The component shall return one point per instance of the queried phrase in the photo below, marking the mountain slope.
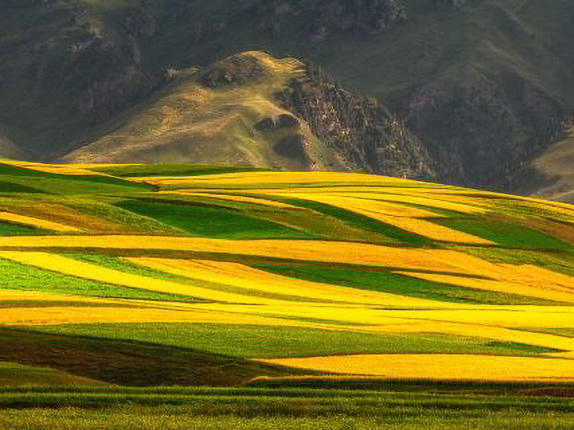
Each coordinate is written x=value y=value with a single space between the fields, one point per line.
x=482 y=85
x=550 y=175
x=200 y=275
x=253 y=110
x=225 y=114
x=9 y=148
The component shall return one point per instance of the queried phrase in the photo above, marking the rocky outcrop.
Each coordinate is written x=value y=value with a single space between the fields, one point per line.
x=360 y=130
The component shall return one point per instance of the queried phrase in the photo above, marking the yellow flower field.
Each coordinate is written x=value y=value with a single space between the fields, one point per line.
x=36 y=222
x=440 y=367
x=247 y=178
x=306 y=250
x=225 y=255
x=244 y=277
x=80 y=269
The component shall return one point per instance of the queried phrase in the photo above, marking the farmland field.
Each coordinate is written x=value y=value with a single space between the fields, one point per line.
x=309 y=288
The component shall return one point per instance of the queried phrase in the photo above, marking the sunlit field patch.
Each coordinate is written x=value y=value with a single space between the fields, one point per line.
x=246 y=278
x=35 y=222
x=441 y=367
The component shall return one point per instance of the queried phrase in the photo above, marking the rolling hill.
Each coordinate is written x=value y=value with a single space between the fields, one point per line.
x=146 y=275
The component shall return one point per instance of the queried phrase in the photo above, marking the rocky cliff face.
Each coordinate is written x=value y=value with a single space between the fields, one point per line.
x=361 y=130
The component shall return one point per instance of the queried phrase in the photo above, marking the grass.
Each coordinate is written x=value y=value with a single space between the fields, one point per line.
x=28 y=278
x=505 y=234
x=211 y=221
x=261 y=409
x=387 y=282
x=184 y=418
x=36 y=181
x=8 y=229
x=251 y=341
x=127 y=362
x=361 y=221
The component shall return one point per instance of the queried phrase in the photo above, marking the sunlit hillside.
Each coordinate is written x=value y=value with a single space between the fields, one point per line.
x=145 y=275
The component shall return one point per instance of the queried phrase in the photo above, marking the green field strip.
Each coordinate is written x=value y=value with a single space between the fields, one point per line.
x=207 y=221
x=126 y=362
x=16 y=276
x=12 y=374
x=393 y=283
x=250 y=341
x=15 y=188
x=12 y=170
x=504 y=233
x=313 y=223
x=294 y=219
x=13 y=229
x=66 y=184
x=360 y=221
x=130 y=221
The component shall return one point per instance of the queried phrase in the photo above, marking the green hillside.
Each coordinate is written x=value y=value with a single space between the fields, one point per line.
x=226 y=114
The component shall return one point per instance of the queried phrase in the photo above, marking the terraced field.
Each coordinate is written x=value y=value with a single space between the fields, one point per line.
x=191 y=275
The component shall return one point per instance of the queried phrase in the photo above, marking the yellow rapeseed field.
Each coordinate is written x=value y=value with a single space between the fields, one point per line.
x=271 y=178
x=509 y=286
x=217 y=272
x=440 y=367
x=36 y=222
x=94 y=272
x=241 y=276
x=306 y=250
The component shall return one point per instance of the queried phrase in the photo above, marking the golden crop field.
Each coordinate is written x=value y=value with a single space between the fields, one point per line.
x=331 y=274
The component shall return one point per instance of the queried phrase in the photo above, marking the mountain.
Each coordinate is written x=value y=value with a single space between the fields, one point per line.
x=252 y=109
x=550 y=175
x=465 y=92
x=9 y=148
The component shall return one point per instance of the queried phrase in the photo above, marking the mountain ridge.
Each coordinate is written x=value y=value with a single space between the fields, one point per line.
x=478 y=87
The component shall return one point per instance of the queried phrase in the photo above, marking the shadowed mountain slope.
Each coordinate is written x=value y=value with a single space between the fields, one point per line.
x=481 y=85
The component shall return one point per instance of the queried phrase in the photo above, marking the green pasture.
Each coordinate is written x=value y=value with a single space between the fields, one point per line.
x=17 y=276
x=283 y=409
x=252 y=341
x=205 y=220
